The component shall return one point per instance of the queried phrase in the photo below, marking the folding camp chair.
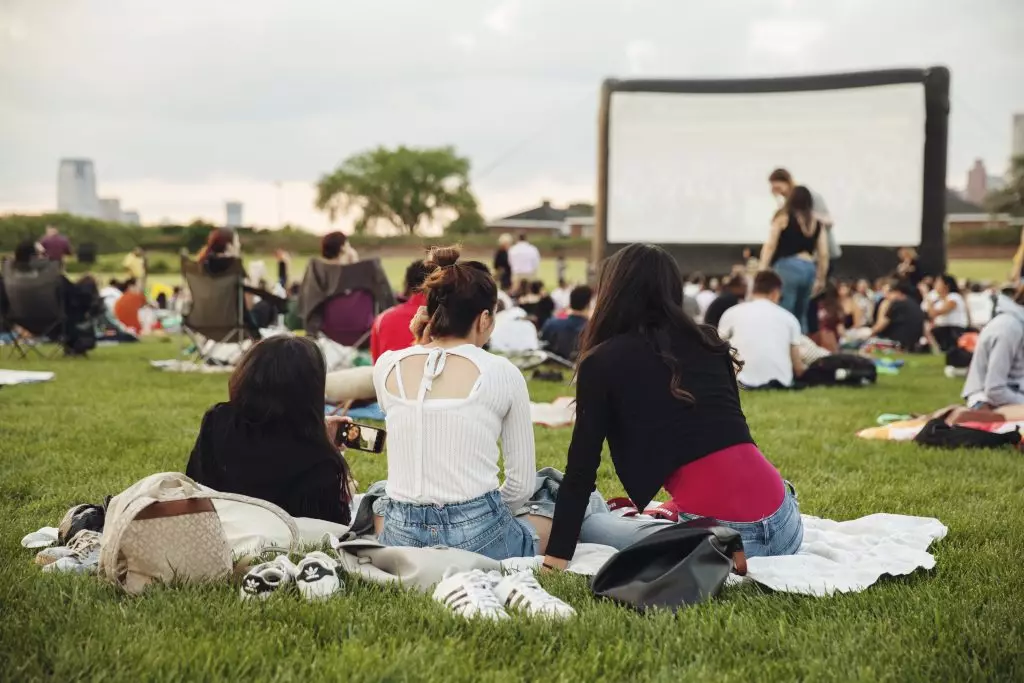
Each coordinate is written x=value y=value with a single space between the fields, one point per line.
x=33 y=311
x=216 y=313
x=341 y=302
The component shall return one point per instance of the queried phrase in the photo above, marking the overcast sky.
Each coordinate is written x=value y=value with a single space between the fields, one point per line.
x=183 y=104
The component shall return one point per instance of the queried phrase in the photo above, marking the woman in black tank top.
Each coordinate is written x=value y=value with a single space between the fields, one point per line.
x=797 y=249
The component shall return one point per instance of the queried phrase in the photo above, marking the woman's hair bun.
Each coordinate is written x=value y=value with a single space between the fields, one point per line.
x=444 y=256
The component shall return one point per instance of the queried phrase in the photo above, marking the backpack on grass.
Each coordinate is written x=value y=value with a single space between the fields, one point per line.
x=841 y=369
x=941 y=435
x=165 y=528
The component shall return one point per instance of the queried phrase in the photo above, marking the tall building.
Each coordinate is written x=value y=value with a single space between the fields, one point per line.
x=233 y=219
x=130 y=217
x=1018 y=134
x=76 y=188
x=110 y=210
x=977 y=183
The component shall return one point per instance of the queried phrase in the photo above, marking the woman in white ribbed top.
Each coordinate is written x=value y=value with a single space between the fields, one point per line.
x=448 y=402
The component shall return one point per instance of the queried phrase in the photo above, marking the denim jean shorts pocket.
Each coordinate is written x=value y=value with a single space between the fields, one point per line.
x=483 y=534
x=399 y=536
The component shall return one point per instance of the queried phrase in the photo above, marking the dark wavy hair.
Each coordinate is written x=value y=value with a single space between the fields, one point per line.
x=640 y=290
x=279 y=385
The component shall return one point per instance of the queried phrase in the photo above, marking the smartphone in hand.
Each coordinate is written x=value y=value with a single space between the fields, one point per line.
x=360 y=437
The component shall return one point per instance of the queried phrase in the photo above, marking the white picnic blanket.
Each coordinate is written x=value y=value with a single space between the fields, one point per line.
x=835 y=557
x=9 y=377
x=559 y=413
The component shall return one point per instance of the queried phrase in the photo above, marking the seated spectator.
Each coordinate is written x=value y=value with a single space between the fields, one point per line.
x=128 y=305
x=537 y=304
x=443 y=455
x=661 y=390
x=224 y=248
x=560 y=296
x=80 y=300
x=706 y=296
x=831 y=319
x=334 y=248
x=947 y=311
x=765 y=335
x=734 y=291
x=980 y=305
x=111 y=293
x=864 y=300
x=996 y=374
x=852 y=311
x=270 y=440
x=900 y=318
x=390 y=330
x=563 y=334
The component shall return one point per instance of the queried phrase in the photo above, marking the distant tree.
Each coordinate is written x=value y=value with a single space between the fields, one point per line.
x=1009 y=199
x=405 y=187
x=581 y=209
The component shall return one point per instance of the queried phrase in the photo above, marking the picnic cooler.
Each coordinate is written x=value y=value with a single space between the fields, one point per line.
x=165 y=528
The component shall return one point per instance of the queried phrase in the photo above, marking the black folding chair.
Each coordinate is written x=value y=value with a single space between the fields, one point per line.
x=216 y=313
x=32 y=314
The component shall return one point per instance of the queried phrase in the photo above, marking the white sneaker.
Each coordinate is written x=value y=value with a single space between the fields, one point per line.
x=470 y=594
x=264 y=579
x=317 y=576
x=521 y=592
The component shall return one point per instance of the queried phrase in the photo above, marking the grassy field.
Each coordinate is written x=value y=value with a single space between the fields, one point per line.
x=109 y=420
x=974 y=269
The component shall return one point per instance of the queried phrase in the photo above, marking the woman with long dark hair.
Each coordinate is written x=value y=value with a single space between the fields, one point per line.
x=662 y=391
x=270 y=440
x=797 y=249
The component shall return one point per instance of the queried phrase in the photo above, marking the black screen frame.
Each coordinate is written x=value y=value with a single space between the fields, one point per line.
x=857 y=260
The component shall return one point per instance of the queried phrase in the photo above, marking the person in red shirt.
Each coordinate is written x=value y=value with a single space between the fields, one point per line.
x=390 y=330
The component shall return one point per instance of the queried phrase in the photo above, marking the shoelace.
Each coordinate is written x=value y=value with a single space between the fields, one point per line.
x=84 y=543
x=477 y=591
x=528 y=590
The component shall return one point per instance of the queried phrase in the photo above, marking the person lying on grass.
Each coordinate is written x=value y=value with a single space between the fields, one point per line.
x=662 y=391
x=271 y=440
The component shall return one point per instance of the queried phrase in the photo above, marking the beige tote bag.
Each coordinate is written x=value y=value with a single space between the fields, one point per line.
x=165 y=528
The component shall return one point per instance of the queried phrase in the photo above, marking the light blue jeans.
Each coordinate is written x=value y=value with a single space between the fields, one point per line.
x=483 y=525
x=781 y=533
x=797 y=283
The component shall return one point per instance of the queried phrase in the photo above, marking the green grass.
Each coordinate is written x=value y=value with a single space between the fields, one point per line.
x=107 y=421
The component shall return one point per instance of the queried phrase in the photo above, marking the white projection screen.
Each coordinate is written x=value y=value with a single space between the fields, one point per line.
x=685 y=164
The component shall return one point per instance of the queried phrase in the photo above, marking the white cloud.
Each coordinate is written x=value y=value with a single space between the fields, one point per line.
x=789 y=37
x=504 y=17
x=642 y=57
x=465 y=41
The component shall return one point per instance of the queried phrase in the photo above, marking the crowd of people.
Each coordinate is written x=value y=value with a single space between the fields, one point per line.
x=650 y=381
x=659 y=363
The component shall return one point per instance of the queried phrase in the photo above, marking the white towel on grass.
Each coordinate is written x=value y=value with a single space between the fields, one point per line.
x=835 y=557
x=8 y=377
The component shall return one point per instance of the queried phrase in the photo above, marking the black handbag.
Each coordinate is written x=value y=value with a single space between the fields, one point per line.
x=941 y=435
x=682 y=564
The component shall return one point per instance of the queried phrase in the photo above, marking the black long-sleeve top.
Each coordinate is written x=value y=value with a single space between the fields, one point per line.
x=302 y=476
x=623 y=396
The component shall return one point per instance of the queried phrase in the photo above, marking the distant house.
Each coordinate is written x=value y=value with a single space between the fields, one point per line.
x=577 y=220
x=962 y=215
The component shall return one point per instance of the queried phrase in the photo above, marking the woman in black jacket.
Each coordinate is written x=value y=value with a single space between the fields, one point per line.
x=662 y=391
x=270 y=440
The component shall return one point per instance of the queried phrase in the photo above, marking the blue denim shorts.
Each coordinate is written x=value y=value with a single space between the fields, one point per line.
x=780 y=533
x=483 y=525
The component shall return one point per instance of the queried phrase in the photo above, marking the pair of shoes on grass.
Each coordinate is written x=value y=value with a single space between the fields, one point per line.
x=81 y=554
x=316 y=577
x=476 y=594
